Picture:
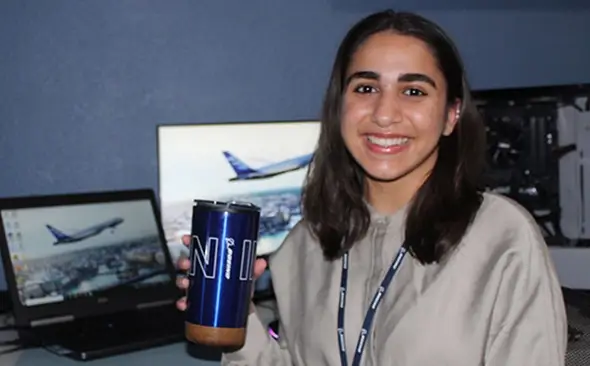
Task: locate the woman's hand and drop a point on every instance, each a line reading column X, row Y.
column 184, row 264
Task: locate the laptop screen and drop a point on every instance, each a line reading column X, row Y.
column 59, row 253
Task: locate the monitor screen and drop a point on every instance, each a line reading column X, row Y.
column 60, row 253
column 264, row 163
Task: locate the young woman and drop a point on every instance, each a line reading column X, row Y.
column 400, row 259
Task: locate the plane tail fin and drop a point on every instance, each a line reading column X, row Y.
column 237, row 165
column 59, row 235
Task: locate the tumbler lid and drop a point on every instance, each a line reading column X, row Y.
column 227, row 206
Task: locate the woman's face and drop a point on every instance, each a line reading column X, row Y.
column 394, row 109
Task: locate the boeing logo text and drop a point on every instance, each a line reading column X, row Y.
column 205, row 257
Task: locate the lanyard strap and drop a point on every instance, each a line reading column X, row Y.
column 360, row 346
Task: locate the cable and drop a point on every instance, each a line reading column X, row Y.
column 12, row 342
column 16, row 344
column 13, row 345
column 7, row 323
column 16, row 348
column 13, row 349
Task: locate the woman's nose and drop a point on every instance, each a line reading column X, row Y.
column 387, row 111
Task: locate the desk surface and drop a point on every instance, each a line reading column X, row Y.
column 174, row 354
column 182, row 353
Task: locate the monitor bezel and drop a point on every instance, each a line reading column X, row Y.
column 99, row 304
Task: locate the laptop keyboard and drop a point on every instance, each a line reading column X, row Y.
column 122, row 330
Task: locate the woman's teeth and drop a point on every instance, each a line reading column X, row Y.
column 387, row 142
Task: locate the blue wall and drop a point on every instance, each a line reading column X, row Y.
column 83, row 84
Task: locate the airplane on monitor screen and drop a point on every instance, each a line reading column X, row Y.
column 245, row 172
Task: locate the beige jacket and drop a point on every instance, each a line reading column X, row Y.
column 495, row 302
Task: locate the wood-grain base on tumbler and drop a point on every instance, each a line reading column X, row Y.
column 217, row 337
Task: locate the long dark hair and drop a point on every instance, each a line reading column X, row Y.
column 333, row 194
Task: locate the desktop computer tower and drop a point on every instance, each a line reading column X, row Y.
column 537, row 143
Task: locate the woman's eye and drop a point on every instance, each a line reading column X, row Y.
column 413, row 92
column 363, row 89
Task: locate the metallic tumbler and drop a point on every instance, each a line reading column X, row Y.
column 224, row 236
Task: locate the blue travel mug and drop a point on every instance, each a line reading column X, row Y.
column 224, row 236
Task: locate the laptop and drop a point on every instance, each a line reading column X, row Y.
column 89, row 274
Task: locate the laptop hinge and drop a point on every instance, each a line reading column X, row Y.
column 153, row 304
column 54, row 320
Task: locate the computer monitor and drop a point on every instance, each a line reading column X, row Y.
column 261, row 162
column 84, row 254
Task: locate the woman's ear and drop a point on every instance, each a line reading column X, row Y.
column 453, row 116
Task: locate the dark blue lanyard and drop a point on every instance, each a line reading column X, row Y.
column 360, row 346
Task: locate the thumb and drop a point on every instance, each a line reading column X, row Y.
column 259, row 267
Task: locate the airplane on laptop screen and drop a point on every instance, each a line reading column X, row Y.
column 244, row 172
column 62, row 238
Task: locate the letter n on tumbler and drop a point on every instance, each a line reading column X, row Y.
column 224, row 236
